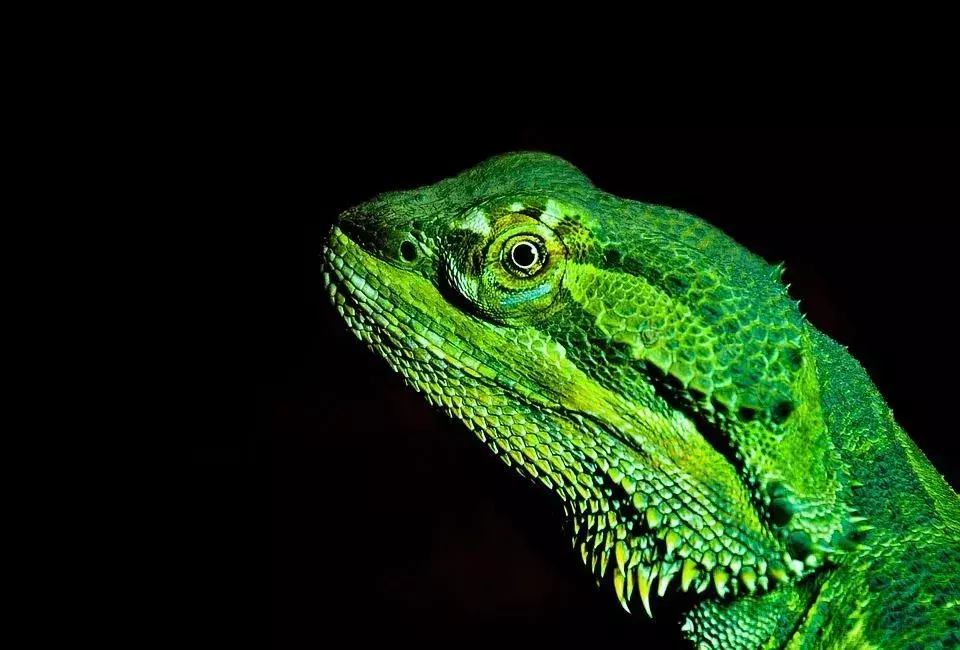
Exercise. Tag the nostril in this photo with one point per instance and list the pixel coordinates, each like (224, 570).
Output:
(408, 251)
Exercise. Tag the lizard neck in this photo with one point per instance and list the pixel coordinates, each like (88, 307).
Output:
(897, 587)
(894, 485)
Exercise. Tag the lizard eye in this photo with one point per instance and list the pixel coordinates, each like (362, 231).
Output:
(506, 261)
(525, 255)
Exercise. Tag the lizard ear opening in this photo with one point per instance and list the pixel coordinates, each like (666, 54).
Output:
(408, 251)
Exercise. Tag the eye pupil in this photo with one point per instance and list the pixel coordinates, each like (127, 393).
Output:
(524, 255)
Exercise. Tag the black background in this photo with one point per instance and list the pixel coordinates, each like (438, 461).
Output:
(330, 499)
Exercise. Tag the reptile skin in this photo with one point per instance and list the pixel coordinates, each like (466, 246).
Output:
(657, 377)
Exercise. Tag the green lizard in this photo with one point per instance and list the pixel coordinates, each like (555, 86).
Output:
(657, 377)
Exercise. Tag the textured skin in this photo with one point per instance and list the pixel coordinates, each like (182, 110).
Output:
(657, 377)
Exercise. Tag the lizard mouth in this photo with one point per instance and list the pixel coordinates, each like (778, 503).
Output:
(651, 523)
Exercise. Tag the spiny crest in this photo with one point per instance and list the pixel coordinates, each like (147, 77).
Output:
(644, 557)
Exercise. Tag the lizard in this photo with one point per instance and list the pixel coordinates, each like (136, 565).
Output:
(657, 377)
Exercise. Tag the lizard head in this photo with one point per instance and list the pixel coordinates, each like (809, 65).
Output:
(629, 357)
